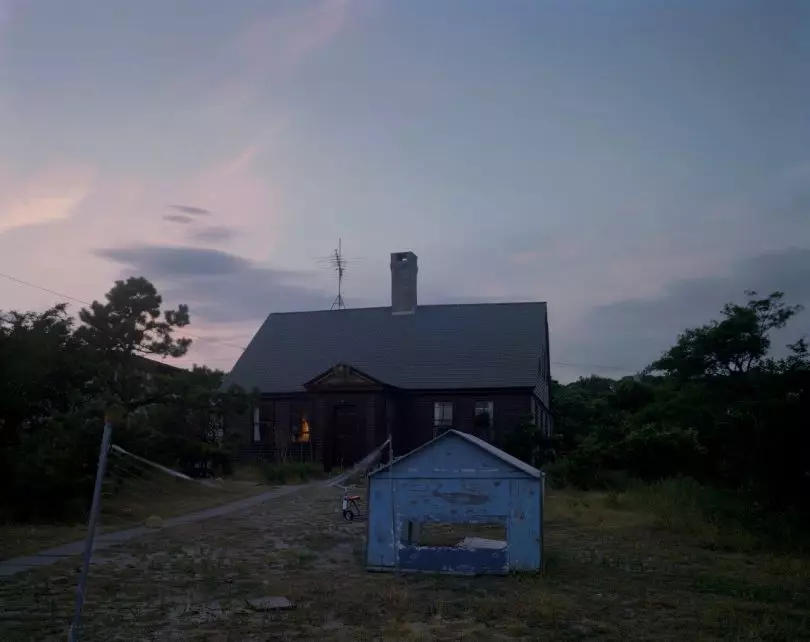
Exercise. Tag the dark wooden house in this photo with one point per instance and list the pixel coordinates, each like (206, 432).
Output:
(336, 383)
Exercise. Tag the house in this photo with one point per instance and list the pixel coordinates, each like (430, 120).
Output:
(453, 481)
(342, 381)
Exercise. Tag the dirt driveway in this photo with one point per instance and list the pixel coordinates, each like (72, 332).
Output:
(194, 581)
(612, 574)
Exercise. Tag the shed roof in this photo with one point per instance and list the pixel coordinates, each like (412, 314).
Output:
(505, 457)
(490, 345)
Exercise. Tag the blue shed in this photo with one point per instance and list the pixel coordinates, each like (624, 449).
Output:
(455, 479)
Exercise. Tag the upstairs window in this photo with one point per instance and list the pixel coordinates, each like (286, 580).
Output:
(442, 416)
(484, 419)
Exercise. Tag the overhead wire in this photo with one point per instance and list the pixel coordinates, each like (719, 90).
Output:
(77, 300)
(565, 364)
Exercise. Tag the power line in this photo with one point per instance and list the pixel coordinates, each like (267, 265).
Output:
(9, 277)
(592, 365)
(75, 300)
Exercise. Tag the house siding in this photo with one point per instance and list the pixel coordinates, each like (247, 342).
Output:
(406, 416)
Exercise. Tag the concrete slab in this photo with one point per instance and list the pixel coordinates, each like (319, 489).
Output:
(270, 603)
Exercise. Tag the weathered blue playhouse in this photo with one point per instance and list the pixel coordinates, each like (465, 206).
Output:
(455, 479)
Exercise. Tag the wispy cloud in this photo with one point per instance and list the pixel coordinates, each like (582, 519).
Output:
(191, 209)
(213, 234)
(178, 218)
(270, 47)
(49, 195)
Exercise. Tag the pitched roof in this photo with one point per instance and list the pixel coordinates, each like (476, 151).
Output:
(493, 345)
(505, 457)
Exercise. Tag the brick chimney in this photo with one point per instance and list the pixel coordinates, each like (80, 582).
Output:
(403, 282)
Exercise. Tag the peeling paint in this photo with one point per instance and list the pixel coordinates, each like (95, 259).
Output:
(476, 489)
(467, 499)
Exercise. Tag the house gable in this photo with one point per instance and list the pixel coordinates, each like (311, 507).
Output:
(455, 455)
(342, 376)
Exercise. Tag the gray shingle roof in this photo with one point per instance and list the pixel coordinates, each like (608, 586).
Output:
(495, 345)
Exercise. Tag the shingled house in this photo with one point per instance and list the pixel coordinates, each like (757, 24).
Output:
(342, 381)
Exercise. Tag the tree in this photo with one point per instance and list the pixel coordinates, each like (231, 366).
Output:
(736, 344)
(43, 368)
(126, 329)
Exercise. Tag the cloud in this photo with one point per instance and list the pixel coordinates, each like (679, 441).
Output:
(289, 37)
(178, 218)
(191, 209)
(268, 48)
(167, 261)
(629, 334)
(249, 196)
(213, 234)
(49, 195)
(218, 286)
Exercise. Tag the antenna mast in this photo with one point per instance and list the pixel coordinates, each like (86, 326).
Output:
(338, 263)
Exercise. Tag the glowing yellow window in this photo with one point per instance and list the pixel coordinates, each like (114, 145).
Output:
(303, 435)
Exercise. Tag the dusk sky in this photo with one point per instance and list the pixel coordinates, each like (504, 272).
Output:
(635, 164)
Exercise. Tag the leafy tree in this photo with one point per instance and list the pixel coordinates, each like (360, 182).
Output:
(735, 345)
(43, 368)
(126, 329)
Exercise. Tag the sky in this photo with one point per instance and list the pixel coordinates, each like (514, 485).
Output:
(634, 163)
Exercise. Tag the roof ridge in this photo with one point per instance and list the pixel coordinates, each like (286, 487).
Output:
(492, 449)
(426, 305)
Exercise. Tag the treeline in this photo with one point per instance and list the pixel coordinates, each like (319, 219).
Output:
(59, 377)
(717, 407)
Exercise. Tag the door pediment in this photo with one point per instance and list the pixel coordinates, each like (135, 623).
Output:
(342, 376)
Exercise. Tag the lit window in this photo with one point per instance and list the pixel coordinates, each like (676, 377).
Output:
(442, 416)
(303, 435)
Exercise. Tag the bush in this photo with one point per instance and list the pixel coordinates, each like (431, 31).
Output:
(52, 471)
(719, 519)
(292, 473)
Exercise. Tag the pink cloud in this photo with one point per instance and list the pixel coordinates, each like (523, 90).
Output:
(52, 193)
(284, 41)
(273, 47)
(268, 49)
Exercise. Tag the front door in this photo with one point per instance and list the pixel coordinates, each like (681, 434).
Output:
(348, 447)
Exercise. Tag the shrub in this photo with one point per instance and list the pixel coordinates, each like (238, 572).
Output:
(52, 471)
(719, 519)
(292, 472)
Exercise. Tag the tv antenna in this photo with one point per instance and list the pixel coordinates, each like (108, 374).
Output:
(337, 263)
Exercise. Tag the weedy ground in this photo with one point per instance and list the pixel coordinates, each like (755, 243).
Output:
(618, 567)
(143, 493)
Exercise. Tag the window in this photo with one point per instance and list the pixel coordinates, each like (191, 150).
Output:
(303, 434)
(484, 419)
(442, 416)
(257, 425)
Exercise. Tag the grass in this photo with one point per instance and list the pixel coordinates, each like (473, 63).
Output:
(292, 472)
(138, 499)
(615, 569)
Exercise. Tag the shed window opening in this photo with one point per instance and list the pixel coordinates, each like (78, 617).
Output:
(442, 416)
(463, 535)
